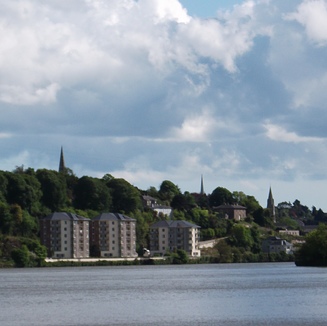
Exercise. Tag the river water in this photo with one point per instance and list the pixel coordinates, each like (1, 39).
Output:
(175, 295)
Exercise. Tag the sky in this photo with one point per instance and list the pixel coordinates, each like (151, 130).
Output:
(155, 90)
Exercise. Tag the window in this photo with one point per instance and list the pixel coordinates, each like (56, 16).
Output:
(113, 229)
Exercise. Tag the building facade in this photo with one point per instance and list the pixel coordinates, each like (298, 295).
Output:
(113, 235)
(65, 235)
(167, 236)
(276, 245)
(232, 212)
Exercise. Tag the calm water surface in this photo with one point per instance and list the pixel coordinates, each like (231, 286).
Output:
(231, 294)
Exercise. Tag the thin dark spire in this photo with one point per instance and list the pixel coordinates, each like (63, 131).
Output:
(271, 204)
(202, 187)
(62, 167)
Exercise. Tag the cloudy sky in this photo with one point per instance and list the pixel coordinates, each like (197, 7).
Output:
(151, 90)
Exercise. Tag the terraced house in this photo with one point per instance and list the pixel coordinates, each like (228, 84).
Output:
(65, 235)
(167, 236)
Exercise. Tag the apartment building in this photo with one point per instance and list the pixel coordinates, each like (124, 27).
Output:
(65, 235)
(113, 235)
(167, 236)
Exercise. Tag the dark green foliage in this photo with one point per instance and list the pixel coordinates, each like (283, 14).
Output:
(53, 186)
(24, 190)
(168, 191)
(6, 222)
(262, 217)
(241, 237)
(221, 196)
(21, 257)
(178, 257)
(3, 186)
(92, 193)
(125, 197)
(314, 251)
(183, 202)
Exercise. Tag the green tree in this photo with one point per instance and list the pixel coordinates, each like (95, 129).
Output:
(29, 226)
(38, 253)
(17, 218)
(125, 197)
(221, 196)
(3, 186)
(6, 221)
(21, 257)
(314, 251)
(241, 236)
(179, 257)
(168, 190)
(225, 252)
(92, 193)
(54, 189)
(24, 190)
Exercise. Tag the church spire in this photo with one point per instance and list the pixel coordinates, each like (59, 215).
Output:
(271, 205)
(62, 167)
(202, 187)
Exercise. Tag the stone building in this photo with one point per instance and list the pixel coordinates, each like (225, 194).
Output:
(232, 212)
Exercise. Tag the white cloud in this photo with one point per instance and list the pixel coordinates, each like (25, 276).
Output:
(312, 14)
(142, 90)
(278, 133)
(196, 128)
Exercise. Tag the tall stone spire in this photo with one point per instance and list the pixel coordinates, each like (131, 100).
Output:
(62, 167)
(271, 205)
(202, 187)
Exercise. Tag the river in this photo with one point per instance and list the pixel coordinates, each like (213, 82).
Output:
(175, 295)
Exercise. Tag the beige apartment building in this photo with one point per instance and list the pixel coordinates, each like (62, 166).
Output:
(167, 236)
(113, 235)
(65, 235)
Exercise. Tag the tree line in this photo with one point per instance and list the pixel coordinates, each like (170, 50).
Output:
(26, 195)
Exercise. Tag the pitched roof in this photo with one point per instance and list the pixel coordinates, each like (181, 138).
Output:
(63, 216)
(113, 217)
(230, 207)
(174, 224)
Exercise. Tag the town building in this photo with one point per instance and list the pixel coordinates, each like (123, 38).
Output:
(276, 245)
(151, 202)
(168, 236)
(65, 235)
(294, 233)
(113, 235)
(232, 212)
